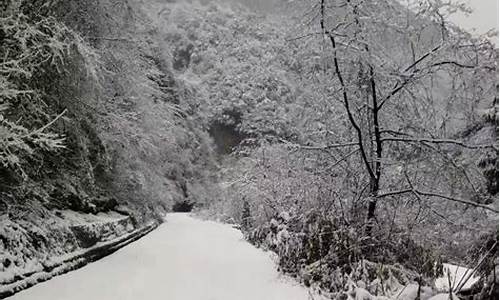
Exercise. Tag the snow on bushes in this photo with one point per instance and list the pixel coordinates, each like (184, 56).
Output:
(327, 254)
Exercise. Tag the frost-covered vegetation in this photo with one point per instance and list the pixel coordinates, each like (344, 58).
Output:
(370, 141)
(92, 121)
(356, 139)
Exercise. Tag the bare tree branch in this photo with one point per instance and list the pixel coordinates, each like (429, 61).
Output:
(435, 195)
(437, 141)
(114, 39)
(399, 85)
(39, 130)
(344, 93)
(453, 63)
(332, 146)
(311, 34)
(325, 147)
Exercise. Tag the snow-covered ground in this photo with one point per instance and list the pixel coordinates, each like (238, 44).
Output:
(458, 276)
(184, 259)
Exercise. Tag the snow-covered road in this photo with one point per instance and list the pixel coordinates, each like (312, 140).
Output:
(184, 259)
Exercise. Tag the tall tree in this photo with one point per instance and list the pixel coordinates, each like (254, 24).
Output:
(410, 84)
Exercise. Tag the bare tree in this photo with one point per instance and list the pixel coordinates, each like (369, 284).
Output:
(411, 64)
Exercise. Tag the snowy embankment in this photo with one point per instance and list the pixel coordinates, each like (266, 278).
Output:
(33, 252)
(184, 259)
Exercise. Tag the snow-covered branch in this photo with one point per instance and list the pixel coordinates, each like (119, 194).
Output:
(438, 141)
(435, 195)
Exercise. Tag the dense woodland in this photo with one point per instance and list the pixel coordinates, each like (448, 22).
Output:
(358, 140)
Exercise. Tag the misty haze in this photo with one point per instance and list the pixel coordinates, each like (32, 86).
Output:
(249, 150)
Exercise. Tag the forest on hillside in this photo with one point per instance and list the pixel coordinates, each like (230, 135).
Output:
(357, 140)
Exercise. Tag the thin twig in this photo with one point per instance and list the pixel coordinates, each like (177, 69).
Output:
(46, 125)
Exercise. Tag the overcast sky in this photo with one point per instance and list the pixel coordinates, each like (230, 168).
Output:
(484, 17)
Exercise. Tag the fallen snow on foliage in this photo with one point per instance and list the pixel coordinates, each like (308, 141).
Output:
(444, 296)
(184, 259)
(458, 275)
(74, 218)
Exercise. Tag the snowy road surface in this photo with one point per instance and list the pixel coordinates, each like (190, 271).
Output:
(184, 259)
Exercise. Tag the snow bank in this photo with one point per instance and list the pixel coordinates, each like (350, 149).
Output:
(35, 251)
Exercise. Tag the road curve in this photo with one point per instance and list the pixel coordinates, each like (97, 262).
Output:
(184, 259)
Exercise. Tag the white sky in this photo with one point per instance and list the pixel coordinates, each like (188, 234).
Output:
(484, 17)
